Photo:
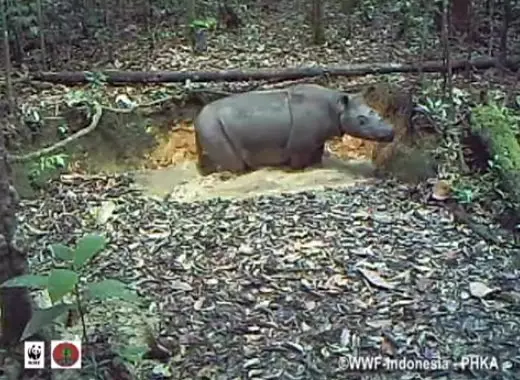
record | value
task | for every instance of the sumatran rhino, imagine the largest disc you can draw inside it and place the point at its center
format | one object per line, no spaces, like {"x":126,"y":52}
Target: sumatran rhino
{"x":281,"y":128}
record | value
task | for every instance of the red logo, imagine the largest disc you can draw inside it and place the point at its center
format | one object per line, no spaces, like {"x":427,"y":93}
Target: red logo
{"x":66,"y":354}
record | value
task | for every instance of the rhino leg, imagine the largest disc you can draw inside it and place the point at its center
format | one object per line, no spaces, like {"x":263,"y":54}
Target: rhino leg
{"x":317,"y":156}
{"x":302,"y":160}
{"x":221,"y":155}
{"x":205,"y":166}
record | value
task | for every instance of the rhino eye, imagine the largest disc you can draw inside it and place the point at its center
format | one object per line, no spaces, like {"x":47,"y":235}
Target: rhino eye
{"x":363,"y":120}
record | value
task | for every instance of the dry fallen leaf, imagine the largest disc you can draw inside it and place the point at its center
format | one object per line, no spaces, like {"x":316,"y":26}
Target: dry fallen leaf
{"x":305,"y":327}
{"x":179,"y":285}
{"x":379,"y":323}
{"x":105,"y":212}
{"x":345,"y":337}
{"x":441,"y":191}
{"x":423,"y":284}
{"x":375,"y":279}
{"x":480,"y":290}
{"x":336,"y":281}
{"x":199,"y":303}
{"x":309,"y":245}
{"x":245,"y":249}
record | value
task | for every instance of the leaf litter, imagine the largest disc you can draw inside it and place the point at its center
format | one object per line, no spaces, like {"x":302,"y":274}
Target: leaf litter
{"x":282,"y":286}
{"x":292,"y":284}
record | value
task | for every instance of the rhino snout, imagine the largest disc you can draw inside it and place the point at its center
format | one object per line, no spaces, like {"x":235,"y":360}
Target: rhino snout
{"x":377,"y":130}
{"x":387,"y":136}
{"x":381,"y":133}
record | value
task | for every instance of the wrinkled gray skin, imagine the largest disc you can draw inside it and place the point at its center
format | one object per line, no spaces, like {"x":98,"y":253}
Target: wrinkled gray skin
{"x":286,"y":127}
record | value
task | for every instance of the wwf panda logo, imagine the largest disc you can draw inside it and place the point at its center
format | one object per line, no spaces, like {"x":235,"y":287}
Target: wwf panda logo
{"x":34,"y":352}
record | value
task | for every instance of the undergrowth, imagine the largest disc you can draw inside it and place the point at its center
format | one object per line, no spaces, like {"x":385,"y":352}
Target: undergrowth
{"x":498,"y":128}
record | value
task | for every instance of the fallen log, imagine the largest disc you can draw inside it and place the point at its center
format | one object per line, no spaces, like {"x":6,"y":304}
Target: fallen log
{"x":123,"y":77}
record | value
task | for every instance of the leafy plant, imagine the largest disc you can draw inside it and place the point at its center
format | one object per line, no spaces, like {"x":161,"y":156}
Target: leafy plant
{"x":464,"y":195}
{"x":63,"y":129}
{"x":96,"y":80}
{"x":94,"y":91}
{"x":65,"y":280}
{"x":207,"y":23}
{"x":45,"y":166}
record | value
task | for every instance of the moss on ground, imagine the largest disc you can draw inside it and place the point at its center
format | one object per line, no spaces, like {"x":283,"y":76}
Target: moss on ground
{"x":498,"y":128}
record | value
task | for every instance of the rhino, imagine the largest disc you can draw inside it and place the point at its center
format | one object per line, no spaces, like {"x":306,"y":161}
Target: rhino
{"x":281,"y":128}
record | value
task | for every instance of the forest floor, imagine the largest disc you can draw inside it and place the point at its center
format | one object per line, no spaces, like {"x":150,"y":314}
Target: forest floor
{"x":286,"y":285}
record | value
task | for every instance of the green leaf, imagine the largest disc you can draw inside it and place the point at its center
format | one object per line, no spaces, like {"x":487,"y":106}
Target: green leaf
{"x":133,"y":354}
{"x":62,"y":252}
{"x":111,"y":289}
{"x":60,"y":161}
{"x":61,"y":282}
{"x":27,"y":281}
{"x":88,"y":247}
{"x":42,"y":318}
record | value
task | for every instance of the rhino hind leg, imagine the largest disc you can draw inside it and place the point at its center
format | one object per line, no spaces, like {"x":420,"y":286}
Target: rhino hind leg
{"x":220,"y":155}
{"x":205,"y":166}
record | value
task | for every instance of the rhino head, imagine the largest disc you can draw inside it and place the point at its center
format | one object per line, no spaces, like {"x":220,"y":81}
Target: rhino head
{"x":358,"y":119}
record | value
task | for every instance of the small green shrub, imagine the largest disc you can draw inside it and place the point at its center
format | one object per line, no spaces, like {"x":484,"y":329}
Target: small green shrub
{"x":47,"y":164}
{"x":207,"y":23}
{"x":65,"y":280}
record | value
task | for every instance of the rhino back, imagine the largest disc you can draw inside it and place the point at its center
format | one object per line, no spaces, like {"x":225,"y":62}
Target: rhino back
{"x":257,"y":120}
{"x":314,"y":116}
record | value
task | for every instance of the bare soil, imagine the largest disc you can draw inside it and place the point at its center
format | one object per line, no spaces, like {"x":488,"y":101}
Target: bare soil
{"x":182,"y":181}
{"x":170,"y":170}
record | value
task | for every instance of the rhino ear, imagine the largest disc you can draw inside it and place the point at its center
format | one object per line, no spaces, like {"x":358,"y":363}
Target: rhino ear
{"x":344,"y":101}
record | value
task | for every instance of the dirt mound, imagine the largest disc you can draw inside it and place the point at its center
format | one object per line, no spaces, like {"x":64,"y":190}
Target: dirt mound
{"x":175,"y":147}
{"x":392,"y":102}
{"x":183,"y":182}
{"x":170,"y":170}
{"x":169,"y":167}
{"x":409,"y":157}
{"x":178,"y":146}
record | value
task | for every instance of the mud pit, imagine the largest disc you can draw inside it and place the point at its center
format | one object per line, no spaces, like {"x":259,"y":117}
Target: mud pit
{"x":170,"y":170}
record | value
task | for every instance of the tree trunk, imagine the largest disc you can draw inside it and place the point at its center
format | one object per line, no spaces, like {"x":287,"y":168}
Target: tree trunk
{"x":7,"y":61}
{"x":505,"y":30}
{"x":318,"y":33}
{"x":15,"y":302}
{"x":460,"y":15}
{"x":460,"y":19}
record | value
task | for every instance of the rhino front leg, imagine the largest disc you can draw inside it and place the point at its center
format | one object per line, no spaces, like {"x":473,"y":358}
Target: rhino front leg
{"x":317,"y":156}
{"x":303,"y":160}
